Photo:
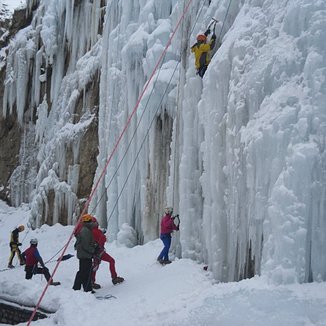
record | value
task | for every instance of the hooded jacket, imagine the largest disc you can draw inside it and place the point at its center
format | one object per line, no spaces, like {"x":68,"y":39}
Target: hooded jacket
{"x":85,"y":244}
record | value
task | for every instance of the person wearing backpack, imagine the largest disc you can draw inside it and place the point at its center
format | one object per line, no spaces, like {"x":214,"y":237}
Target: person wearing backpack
{"x":86,"y":248}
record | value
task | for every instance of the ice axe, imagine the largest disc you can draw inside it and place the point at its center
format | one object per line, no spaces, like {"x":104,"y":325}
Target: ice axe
{"x":177,"y":217}
{"x":213,"y":22}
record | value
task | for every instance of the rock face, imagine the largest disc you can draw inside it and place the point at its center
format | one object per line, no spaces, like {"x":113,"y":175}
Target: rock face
{"x":9,"y":153}
{"x":10,"y":25}
{"x":21,"y":162}
{"x":10,"y":131}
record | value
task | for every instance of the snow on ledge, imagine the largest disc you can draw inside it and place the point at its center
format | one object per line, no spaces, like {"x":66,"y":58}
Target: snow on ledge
{"x":7,"y":7}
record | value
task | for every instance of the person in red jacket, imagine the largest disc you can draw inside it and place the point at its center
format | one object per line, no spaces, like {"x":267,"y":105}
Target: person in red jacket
{"x":101,"y":254}
{"x":167,"y":227}
{"x":32,"y":257}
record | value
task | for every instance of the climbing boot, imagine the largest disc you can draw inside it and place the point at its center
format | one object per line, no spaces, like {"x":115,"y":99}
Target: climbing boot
{"x":96,"y":286}
{"x":118,"y":280}
{"x":55,"y":283}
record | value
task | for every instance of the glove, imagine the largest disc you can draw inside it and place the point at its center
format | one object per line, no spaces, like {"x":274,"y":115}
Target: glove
{"x":207,"y":32}
{"x":19,"y":244}
{"x":214,"y":37}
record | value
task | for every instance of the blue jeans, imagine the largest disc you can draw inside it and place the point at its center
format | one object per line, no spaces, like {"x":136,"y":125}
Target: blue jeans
{"x":166,"y":239}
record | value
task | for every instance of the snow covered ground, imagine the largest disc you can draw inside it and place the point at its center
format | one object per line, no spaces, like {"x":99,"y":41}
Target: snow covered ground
{"x":178,"y":294}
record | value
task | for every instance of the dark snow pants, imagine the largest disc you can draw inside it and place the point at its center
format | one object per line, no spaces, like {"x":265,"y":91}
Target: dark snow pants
{"x":31,"y":270}
{"x":201,"y":71}
{"x":83,"y":276}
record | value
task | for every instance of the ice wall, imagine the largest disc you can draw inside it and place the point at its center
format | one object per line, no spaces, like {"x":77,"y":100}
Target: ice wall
{"x":240,"y":154}
{"x":263,"y":144}
{"x":134,"y":188}
{"x":50,"y":65}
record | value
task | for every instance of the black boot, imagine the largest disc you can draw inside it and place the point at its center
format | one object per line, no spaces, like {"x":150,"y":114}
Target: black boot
{"x":96,"y":286}
{"x":118,"y":280}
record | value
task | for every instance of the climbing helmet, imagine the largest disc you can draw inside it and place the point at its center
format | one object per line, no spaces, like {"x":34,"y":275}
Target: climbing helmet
{"x":87,"y":218}
{"x":33,"y":241}
{"x":201,"y":37}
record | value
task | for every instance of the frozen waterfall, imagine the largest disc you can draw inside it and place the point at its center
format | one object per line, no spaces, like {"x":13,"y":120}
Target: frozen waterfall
{"x":240,"y":154}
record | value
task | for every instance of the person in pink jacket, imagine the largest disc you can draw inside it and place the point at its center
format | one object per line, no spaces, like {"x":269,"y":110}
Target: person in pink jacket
{"x":167,"y":227}
{"x":101,"y":254}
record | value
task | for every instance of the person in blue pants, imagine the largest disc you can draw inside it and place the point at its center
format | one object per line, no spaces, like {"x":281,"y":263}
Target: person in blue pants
{"x":167,"y":227}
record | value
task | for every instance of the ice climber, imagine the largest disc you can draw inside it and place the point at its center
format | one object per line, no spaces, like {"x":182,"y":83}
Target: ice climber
{"x":14,"y":244}
{"x":167,"y":227}
{"x":86,"y":249}
{"x":201,"y":50}
{"x":101,"y":254}
{"x":33,"y":258}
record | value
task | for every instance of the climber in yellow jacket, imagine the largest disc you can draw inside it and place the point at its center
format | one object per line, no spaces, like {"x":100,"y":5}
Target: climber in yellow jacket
{"x":201,"y":50}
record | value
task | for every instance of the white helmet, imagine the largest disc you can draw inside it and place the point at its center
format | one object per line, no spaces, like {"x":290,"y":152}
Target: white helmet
{"x":168,"y":210}
{"x":33,"y":241}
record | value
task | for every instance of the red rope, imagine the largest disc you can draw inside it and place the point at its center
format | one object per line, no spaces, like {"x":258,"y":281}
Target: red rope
{"x":109,"y":158}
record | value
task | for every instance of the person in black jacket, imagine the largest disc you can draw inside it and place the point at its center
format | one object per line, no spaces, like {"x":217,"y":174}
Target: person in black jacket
{"x":14,"y":244}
